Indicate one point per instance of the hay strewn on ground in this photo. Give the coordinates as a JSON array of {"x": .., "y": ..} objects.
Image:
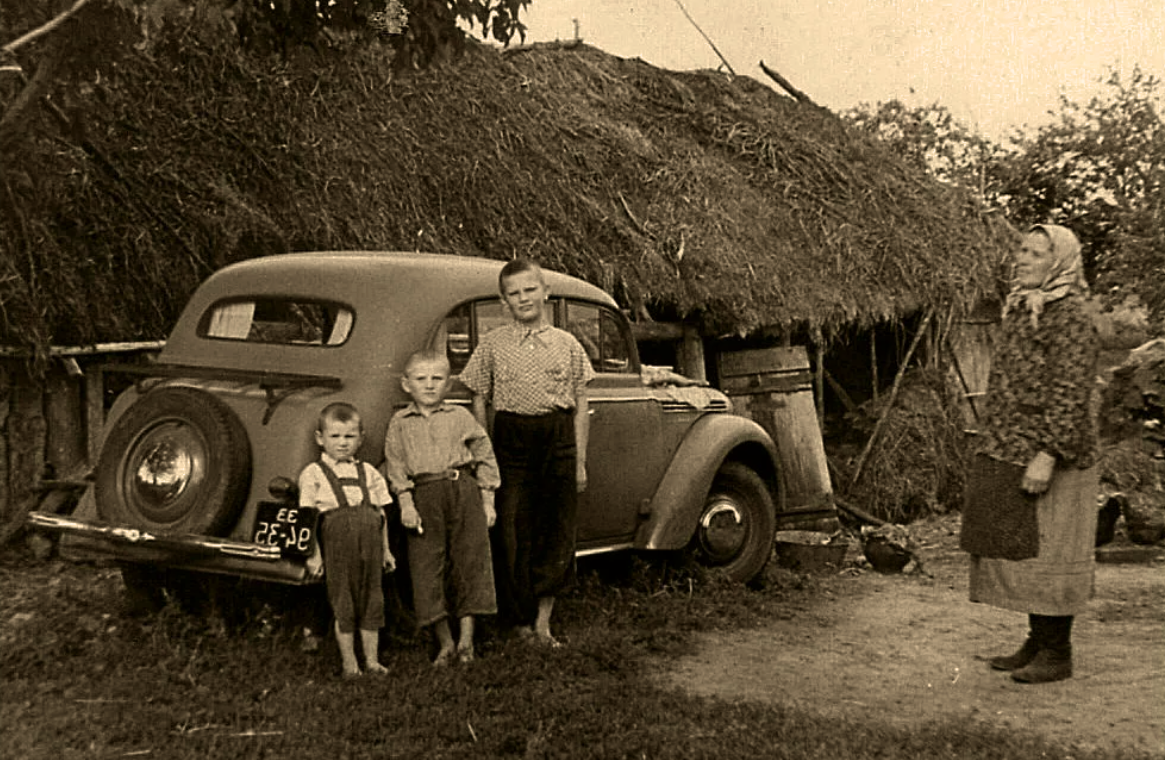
[{"x": 686, "y": 194}]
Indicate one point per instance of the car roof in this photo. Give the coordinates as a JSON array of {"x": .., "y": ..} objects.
[
  {"x": 451, "y": 278},
  {"x": 409, "y": 291}
]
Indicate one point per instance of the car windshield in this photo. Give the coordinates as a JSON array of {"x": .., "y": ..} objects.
[{"x": 279, "y": 320}]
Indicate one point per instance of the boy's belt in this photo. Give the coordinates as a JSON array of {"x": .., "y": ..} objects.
[{"x": 432, "y": 477}]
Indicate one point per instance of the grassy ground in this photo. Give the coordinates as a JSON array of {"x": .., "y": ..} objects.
[{"x": 81, "y": 679}]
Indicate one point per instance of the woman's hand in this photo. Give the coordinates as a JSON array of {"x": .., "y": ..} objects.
[
  {"x": 581, "y": 475},
  {"x": 1038, "y": 474}
]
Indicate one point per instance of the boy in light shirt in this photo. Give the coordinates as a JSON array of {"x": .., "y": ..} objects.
[{"x": 441, "y": 467}]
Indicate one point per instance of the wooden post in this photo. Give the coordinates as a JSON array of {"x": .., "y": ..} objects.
[
  {"x": 94, "y": 411},
  {"x": 65, "y": 448},
  {"x": 25, "y": 432},
  {"x": 819, "y": 382},
  {"x": 890, "y": 403},
  {"x": 692, "y": 355}
]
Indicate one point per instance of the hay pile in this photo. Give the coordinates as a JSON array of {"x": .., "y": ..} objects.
[
  {"x": 917, "y": 466},
  {"x": 684, "y": 194}
]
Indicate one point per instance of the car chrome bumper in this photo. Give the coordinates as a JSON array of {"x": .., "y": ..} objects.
[{"x": 86, "y": 540}]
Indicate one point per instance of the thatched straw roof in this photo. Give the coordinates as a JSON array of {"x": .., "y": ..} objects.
[{"x": 688, "y": 195}]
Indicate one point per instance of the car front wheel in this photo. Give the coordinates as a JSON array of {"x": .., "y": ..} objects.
[{"x": 736, "y": 527}]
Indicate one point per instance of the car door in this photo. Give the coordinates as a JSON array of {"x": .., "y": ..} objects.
[{"x": 625, "y": 459}]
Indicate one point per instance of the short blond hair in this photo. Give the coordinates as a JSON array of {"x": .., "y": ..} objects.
[{"x": 426, "y": 356}]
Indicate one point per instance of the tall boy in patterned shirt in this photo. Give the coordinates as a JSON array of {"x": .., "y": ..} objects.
[
  {"x": 535, "y": 375},
  {"x": 442, "y": 468}
]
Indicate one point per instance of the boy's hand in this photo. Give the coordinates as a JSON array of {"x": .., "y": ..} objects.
[
  {"x": 581, "y": 475},
  {"x": 487, "y": 504},
  {"x": 315, "y": 565},
  {"x": 409, "y": 516},
  {"x": 389, "y": 560}
]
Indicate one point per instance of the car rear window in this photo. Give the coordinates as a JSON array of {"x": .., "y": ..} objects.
[{"x": 279, "y": 320}]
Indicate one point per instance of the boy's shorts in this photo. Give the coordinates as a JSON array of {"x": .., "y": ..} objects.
[{"x": 353, "y": 564}]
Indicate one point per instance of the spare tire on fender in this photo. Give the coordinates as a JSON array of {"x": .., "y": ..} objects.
[{"x": 177, "y": 461}]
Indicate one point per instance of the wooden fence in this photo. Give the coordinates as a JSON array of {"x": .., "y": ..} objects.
[{"x": 51, "y": 424}]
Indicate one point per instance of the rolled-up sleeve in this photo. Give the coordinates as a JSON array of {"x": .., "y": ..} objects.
[
  {"x": 478, "y": 372},
  {"x": 394, "y": 459},
  {"x": 482, "y": 451}
]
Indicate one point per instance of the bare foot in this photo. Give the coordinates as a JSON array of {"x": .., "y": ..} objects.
[
  {"x": 375, "y": 668},
  {"x": 444, "y": 658}
]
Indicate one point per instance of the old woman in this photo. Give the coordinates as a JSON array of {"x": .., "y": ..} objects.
[{"x": 1030, "y": 508}]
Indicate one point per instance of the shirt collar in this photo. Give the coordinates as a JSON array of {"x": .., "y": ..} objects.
[
  {"x": 529, "y": 332},
  {"x": 332, "y": 462},
  {"x": 413, "y": 410}
]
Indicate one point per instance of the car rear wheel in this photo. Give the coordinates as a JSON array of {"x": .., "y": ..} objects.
[
  {"x": 736, "y": 528},
  {"x": 178, "y": 461}
]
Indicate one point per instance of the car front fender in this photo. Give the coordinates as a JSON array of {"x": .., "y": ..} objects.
[{"x": 679, "y": 499}]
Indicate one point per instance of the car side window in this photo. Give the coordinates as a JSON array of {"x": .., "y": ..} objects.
[
  {"x": 601, "y": 334},
  {"x": 461, "y": 330},
  {"x": 278, "y": 320},
  {"x": 454, "y": 337}
]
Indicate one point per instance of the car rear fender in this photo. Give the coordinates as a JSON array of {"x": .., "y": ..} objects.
[{"x": 679, "y": 499}]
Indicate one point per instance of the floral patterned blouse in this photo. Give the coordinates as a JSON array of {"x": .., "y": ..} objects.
[{"x": 1042, "y": 386}]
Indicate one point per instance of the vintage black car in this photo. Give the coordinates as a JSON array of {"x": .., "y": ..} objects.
[{"x": 200, "y": 455}]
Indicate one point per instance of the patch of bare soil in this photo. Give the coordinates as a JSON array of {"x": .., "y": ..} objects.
[{"x": 909, "y": 649}]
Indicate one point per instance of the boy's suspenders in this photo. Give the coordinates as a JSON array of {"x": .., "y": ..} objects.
[{"x": 337, "y": 483}]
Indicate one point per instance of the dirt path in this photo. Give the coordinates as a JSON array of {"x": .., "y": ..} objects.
[{"x": 904, "y": 648}]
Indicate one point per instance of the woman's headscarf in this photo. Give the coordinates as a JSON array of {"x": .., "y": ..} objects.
[{"x": 1065, "y": 276}]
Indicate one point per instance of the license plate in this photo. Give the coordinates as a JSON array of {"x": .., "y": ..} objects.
[{"x": 291, "y": 528}]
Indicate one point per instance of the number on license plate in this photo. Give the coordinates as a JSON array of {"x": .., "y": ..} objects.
[{"x": 291, "y": 528}]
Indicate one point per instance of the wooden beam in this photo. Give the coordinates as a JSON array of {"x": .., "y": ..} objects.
[
  {"x": 657, "y": 330},
  {"x": 98, "y": 348}
]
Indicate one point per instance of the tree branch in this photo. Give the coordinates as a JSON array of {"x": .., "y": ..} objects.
[
  {"x": 61, "y": 18},
  {"x": 786, "y": 85},
  {"x": 15, "y": 116},
  {"x": 706, "y": 38}
]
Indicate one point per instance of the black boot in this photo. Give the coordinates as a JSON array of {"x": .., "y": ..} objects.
[
  {"x": 1021, "y": 657},
  {"x": 1025, "y": 653},
  {"x": 1053, "y": 662}
]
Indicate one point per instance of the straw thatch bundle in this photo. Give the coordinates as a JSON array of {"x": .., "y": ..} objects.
[{"x": 688, "y": 195}]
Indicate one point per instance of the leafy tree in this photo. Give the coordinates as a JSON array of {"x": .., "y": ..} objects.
[
  {"x": 48, "y": 45},
  {"x": 420, "y": 31},
  {"x": 1099, "y": 168},
  {"x": 930, "y": 138}
]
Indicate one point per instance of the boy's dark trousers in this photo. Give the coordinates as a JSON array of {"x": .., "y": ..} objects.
[
  {"x": 537, "y": 508},
  {"x": 450, "y": 560}
]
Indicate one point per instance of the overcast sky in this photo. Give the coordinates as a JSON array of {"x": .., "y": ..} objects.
[{"x": 995, "y": 63}]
